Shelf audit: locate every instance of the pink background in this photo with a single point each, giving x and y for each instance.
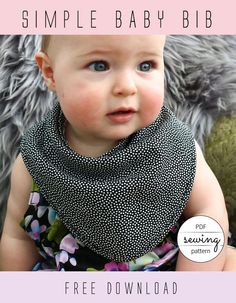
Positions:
(41, 287)
(223, 16)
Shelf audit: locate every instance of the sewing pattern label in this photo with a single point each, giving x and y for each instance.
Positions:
(200, 239)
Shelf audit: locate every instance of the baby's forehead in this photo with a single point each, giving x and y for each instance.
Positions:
(90, 42)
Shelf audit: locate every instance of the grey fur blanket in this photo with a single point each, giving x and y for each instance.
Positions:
(200, 83)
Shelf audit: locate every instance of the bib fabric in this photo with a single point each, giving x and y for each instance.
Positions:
(60, 251)
(123, 203)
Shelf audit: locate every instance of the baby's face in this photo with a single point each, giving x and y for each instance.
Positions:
(108, 86)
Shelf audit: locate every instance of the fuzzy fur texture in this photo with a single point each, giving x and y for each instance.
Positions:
(200, 87)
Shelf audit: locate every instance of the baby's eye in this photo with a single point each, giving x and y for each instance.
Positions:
(146, 66)
(98, 66)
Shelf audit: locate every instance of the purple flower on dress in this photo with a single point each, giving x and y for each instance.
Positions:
(34, 198)
(163, 249)
(69, 244)
(73, 261)
(113, 266)
(36, 230)
(64, 257)
(157, 264)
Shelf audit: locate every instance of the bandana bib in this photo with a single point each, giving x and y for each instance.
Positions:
(123, 203)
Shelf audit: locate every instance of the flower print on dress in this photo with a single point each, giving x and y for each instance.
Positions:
(27, 221)
(34, 198)
(36, 230)
(52, 215)
(114, 266)
(167, 258)
(57, 231)
(63, 257)
(48, 251)
(164, 248)
(41, 211)
(139, 263)
(94, 269)
(69, 244)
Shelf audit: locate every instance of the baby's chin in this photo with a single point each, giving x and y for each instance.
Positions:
(119, 137)
(123, 133)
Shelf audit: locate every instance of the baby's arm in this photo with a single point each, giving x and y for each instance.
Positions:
(206, 199)
(17, 250)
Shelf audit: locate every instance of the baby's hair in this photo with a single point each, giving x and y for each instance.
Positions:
(45, 42)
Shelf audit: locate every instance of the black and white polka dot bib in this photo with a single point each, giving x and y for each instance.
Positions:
(123, 203)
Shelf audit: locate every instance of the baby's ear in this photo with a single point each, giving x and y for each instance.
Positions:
(44, 65)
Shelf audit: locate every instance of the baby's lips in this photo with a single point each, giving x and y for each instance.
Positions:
(121, 115)
(122, 110)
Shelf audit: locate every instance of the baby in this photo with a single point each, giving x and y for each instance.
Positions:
(110, 174)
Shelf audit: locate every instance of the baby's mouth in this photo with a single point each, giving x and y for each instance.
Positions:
(121, 115)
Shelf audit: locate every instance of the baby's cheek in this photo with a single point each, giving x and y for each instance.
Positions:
(83, 111)
(151, 107)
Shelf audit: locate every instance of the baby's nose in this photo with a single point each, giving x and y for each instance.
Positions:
(124, 85)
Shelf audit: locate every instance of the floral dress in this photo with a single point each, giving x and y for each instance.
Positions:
(60, 251)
